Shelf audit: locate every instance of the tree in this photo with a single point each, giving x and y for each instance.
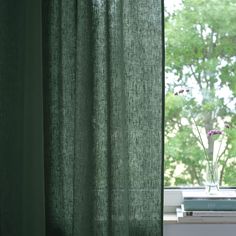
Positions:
(200, 56)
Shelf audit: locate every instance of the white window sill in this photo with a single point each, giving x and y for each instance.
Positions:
(170, 218)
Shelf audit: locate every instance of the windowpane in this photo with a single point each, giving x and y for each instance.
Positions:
(200, 38)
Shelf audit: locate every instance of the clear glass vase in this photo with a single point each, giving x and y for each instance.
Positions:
(212, 178)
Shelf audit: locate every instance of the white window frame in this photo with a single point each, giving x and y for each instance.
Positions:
(172, 199)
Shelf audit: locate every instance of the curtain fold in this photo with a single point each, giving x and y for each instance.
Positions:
(103, 95)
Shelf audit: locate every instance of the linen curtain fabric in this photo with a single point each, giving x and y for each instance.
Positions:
(103, 84)
(100, 101)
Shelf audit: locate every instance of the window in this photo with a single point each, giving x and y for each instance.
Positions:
(200, 39)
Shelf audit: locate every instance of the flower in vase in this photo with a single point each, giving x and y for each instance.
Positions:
(214, 132)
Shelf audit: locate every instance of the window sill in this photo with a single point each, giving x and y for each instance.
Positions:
(170, 218)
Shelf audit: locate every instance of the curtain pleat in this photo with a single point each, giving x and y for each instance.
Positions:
(103, 117)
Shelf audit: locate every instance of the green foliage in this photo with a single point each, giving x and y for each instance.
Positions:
(200, 55)
(230, 174)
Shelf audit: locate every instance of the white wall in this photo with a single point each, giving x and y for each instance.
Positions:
(199, 229)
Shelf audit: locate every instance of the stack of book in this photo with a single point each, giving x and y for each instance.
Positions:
(199, 207)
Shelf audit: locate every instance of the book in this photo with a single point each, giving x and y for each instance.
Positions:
(204, 219)
(201, 201)
(207, 213)
(210, 205)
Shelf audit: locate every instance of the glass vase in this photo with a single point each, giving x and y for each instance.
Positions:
(212, 178)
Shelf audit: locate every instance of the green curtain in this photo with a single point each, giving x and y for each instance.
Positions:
(81, 117)
(103, 100)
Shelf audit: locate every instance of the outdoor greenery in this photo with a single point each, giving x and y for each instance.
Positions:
(200, 41)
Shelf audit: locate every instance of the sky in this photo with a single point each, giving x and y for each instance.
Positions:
(172, 5)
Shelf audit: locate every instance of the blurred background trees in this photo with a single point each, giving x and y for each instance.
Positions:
(200, 38)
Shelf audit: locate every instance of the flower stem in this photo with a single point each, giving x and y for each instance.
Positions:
(217, 156)
(210, 167)
(201, 141)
